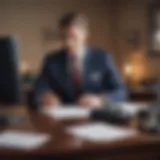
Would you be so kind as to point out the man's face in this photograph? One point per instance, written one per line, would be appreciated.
(74, 37)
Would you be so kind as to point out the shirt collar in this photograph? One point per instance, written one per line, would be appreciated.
(81, 54)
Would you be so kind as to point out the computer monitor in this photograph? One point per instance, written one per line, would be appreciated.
(10, 86)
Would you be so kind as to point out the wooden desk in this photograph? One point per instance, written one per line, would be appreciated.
(141, 95)
(64, 146)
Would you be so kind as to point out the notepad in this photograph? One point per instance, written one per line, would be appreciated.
(98, 132)
(68, 112)
(22, 140)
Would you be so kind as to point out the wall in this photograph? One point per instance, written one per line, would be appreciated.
(26, 19)
(130, 16)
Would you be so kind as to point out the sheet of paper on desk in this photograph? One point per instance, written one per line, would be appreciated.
(68, 112)
(100, 132)
(133, 108)
(22, 140)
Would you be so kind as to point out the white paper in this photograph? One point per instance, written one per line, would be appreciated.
(22, 140)
(133, 108)
(67, 112)
(100, 132)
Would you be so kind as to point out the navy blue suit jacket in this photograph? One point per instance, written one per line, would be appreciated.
(100, 77)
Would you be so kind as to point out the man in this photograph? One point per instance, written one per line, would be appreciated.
(78, 74)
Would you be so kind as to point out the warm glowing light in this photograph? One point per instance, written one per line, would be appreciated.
(128, 69)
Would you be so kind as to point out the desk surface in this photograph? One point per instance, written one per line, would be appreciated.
(64, 146)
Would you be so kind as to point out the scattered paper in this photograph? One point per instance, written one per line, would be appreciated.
(68, 112)
(22, 140)
(76, 112)
(100, 132)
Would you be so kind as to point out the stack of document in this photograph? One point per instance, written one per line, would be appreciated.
(98, 132)
(22, 140)
(68, 112)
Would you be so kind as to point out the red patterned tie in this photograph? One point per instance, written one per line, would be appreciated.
(75, 71)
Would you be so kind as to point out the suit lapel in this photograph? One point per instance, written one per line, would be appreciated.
(67, 80)
(87, 70)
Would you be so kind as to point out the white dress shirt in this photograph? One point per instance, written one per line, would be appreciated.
(79, 64)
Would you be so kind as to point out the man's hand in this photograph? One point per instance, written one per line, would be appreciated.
(91, 101)
(49, 99)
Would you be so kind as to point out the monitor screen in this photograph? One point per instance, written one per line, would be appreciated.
(10, 86)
